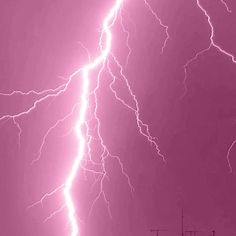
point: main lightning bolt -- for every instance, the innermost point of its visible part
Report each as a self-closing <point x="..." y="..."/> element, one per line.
<point x="84" y="132"/>
<point x="104" y="61"/>
<point x="99" y="61"/>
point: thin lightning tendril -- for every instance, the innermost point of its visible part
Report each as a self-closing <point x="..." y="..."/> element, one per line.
<point x="226" y="6"/>
<point x="49" y="131"/>
<point x="158" y="19"/>
<point x="143" y="128"/>
<point x="228" y="155"/>
<point x="127" y="39"/>
<point x="60" y="209"/>
<point x="212" y="44"/>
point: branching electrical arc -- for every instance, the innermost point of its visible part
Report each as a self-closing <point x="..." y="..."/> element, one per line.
<point x="105" y="61"/>
<point x="212" y="44"/>
<point x="102" y="62"/>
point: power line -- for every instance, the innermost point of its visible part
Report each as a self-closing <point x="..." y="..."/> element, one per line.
<point x="157" y="231"/>
<point x="192" y="232"/>
<point x="182" y="222"/>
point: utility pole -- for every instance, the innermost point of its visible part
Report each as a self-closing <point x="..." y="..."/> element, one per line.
<point x="182" y="222"/>
<point x="192" y="232"/>
<point x="157" y="231"/>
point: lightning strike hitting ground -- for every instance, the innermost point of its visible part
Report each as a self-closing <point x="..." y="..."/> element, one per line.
<point x="212" y="44"/>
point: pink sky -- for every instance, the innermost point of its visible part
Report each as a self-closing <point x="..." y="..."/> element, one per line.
<point x="40" y="45"/>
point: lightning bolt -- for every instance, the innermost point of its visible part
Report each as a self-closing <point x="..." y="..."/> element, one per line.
<point x="228" y="155"/>
<point x="105" y="49"/>
<point x="88" y="106"/>
<point x="88" y="121"/>
<point x="212" y="34"/>
<point x="158" y="19"/>
<point x="226" y="6"/>
<point x="212" y="44"/>
<point x="127" y="39"/>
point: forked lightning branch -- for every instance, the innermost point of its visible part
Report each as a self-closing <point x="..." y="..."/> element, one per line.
<point x="100" y="63"/>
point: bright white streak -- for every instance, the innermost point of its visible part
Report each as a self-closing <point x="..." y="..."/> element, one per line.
<point x="105" y="50"/>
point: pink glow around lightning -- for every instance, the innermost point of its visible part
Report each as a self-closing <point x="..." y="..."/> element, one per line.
<point x="109" y="20"/>
<point x="84" y="139"/>
<point x="101" y="62"/>
<point x="143" y="128"/>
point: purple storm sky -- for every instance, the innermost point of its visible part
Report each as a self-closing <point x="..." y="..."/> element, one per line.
<point x="42" y="44"/>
